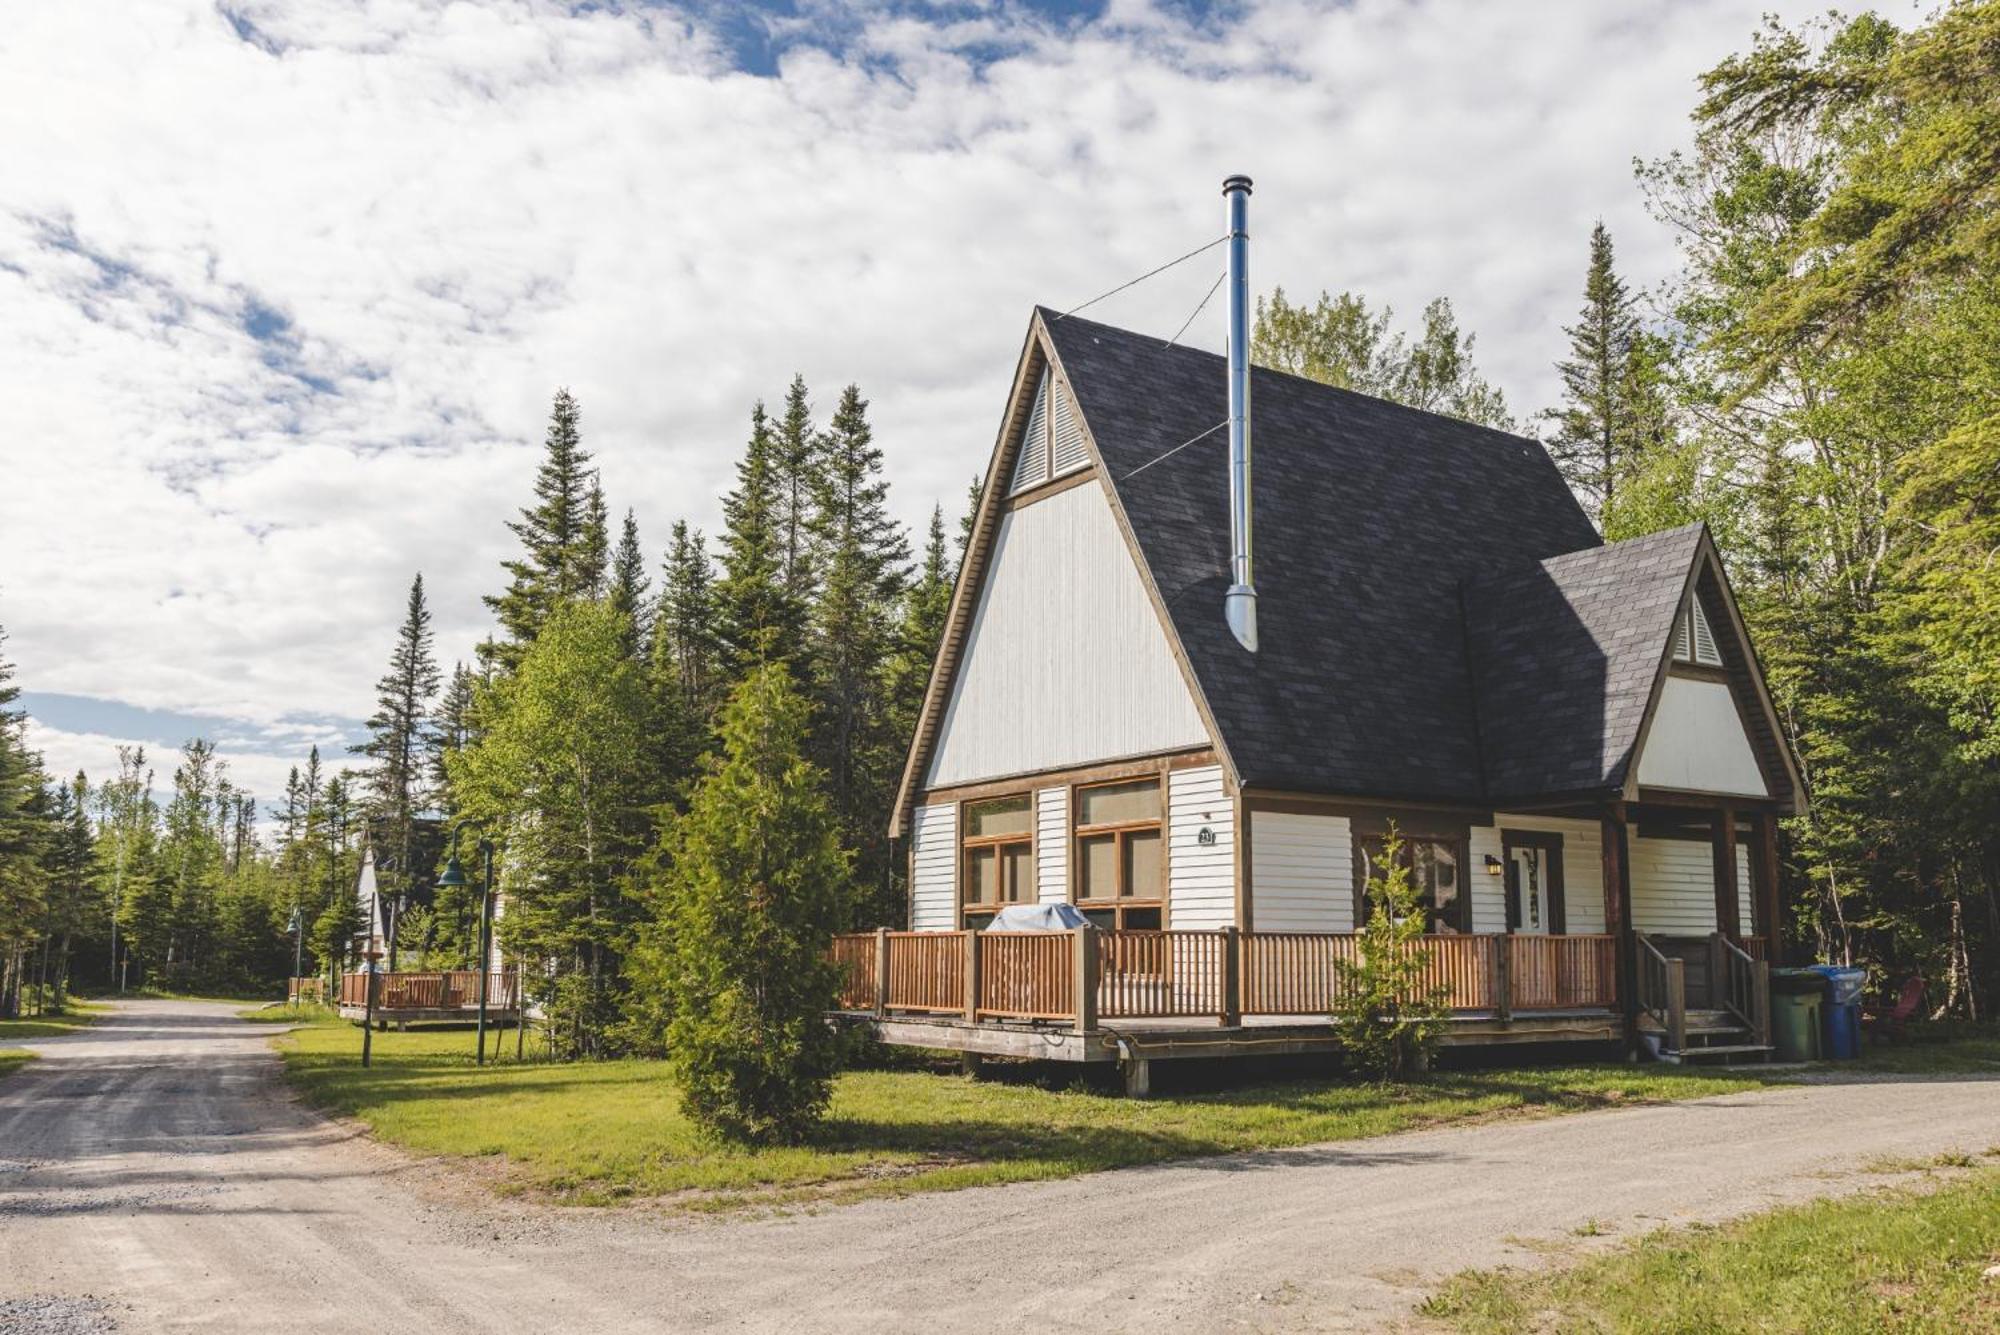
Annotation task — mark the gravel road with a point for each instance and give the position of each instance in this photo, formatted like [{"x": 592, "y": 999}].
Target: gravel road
[{"x": 154, "y": 1176}]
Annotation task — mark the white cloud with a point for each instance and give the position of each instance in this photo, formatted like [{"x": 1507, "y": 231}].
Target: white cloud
[{"x": 436, "y": 212}]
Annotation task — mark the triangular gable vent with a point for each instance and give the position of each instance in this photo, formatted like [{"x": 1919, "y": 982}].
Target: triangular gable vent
[
  {"x": 1052, "y": 442},
  {"x": 1694, "y": 641}
]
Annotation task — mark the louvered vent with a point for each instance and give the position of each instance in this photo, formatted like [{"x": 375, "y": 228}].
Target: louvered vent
[
  {"x": 1066, "y": 450},
  {"x": 1704, "y": 640},
  {"x": 1682, "y": 652},
  {"x": 1033, "y": 465}
]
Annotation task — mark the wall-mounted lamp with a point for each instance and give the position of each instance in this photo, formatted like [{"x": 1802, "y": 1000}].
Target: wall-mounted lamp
[{"x": 1493, "y": 865}]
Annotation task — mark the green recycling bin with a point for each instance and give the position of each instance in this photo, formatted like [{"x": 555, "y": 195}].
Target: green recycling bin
[{"x": 1797, "y": 998}]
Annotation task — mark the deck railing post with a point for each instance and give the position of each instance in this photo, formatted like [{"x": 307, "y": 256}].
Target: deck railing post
[
  {"x": 881, "y": 972},
  {"x": 1232, "y": 977},
  {"x": 971, "y": 977},
  {"x": 1760, "y": 983},
  {"x": 1083, "y": 977},
  {"x": 1677, "y": 1004},
  {"x": 1503, "y": 980}
]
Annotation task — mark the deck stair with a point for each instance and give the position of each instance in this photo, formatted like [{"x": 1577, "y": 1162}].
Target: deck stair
[
  {"x": 1709, "y": 1035},
  {"x": 1731, "y": 1017}
]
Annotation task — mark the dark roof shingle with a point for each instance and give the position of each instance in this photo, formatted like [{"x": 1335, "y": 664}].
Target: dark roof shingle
[{"x": 1369, "y": 518}]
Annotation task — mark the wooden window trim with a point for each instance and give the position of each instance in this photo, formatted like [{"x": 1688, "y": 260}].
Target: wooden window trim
[
  {"x": 968, "y": 843},
  {"x": 1551, "y": 842},
  {"x": 1120, "y": 830}
]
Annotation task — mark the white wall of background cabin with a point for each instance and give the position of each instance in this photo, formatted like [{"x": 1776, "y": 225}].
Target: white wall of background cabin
[
  {"x": 1697, "y": 743},
  {"x": 1052, "y": 844},
  {"x": 1066, "y": 662},
  {"x": 1201, "y": 878},
  {"x": 1673, "y": 887},
  {"x": 934, "y": 869},
  {"x": 1301, "y": 872},
  {"x": 1583, "y": 872}
]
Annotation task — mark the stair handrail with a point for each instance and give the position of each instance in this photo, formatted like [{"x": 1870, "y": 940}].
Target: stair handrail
[
  {"x": 1663, "y": 990},
  {"x": 1746, "y": 987}
]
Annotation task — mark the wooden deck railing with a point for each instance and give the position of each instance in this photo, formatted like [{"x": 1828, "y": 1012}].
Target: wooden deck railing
[
  {"x": 446, "y": 989},
  {"x": 1187, "y": 974}
]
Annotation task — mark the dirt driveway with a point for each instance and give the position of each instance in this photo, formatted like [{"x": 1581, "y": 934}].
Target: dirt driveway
[{"x": 154, "y": 1176}]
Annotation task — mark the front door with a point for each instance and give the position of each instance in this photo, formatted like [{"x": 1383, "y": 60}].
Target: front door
[{"x": 1534, "y": 881}]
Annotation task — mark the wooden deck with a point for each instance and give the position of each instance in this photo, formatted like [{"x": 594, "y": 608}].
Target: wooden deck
[
  {"x": 931, "y": 988},
  {"x": 446, "y": 994}
]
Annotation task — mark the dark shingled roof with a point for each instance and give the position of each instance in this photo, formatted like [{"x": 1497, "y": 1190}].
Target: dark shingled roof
[
  {"x": 1370, "y": 521},
  {"x": 1564, "y": 655}
]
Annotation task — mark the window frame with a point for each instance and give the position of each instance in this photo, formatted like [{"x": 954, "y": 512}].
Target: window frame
[
  {"x": 969, "y": 843},
  {"x": 1121, "y": 904},
  {"x": 1458, "y": 840}
]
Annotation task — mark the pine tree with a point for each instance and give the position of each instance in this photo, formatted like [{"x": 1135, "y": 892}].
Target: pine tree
[
  {"x": 753, "y": 888},
  {"x": 794, "y": 462},
  {"x": 629, "y": 585},
  {"x": 396, "y": 744},
  {"x": 685, "y": 648},
  {"x": 73, "y": 885},
  {"x": 127, "y": 824},
  {"x": 757, "y": 619},
  {"x": 920, "y": 628},
  {"x": 1595, "y": 442},
  {"x": 555, "y": 538},
  {"x": 864, "y": 560},
  {"x": 593, "y": 556},
  {"x": 973, "y": 495},
  {"x": 23, "y": 833}
]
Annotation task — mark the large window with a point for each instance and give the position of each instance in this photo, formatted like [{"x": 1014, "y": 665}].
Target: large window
[
  {"x": 999, "y": 857},
  {"x": 1437, "y": 868},
  {"x": 1120, "y": 876}
]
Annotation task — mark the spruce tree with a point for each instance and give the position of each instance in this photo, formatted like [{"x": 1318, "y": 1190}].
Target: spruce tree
[
  {"x": 555, "y": 539},
  {"x": 23, "y": 833},
  {"x": 682, "y": 669},
  {"x": 920, "y": 626},
  {"x": 1594, "y": 438},
  {"x": 396, "y": 781},
  {"x": 864, "y": 559},
  {"x": 795, "y": 461},
  {"x": 593, "y": 555},
  {"x": 973, "y": 495},
  {"x": 629, "y": 585},
  {"x": 757, "y": 618},
  {"x": 754, "y": 886}
]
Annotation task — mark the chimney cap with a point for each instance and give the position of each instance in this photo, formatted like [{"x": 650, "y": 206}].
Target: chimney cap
[{"x": 1236, "y": 182}]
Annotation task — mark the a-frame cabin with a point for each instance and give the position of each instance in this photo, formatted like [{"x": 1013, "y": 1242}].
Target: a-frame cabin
[{"x": 1574, "y": 738}]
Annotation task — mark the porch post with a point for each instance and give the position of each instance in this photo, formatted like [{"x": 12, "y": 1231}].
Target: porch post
[
  {"x": 1728, "y": 894},
  {"x": 1083, "y": 977},
  {"x": 1232, "y": 977},
  {"x": 1618, "y": 914},
  {"x": 881, "y": 972},
  {"x": 971, "y": 977},
  {"x": 1770, "y": 924}
]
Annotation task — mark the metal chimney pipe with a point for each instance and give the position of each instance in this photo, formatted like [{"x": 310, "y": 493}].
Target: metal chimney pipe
[{"x": 1239, "y": 605}]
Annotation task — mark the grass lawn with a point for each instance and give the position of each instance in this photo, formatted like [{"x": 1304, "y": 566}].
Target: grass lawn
[
  {"x": 78, "y": 1015},
  {"x": 12, "y": 1060},
  {"x": 1907, "y": 1259},
  {"x": 1945, "y": 1049},
  {"x": 307, "y": 1014},
  {"x": 590, "y": 1133}
]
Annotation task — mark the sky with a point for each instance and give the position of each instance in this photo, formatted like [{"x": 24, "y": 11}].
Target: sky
[{"x": 286, "y": 285}]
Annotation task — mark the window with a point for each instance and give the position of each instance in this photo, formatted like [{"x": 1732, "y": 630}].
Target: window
[
  {"x": 1120, "y": 877},
  {"x": 1437, "y": 868},
  {"x": 1052, "y": 441},
  {"x": 999, "y": 858},
  {"x": 1694, "y": 642}
]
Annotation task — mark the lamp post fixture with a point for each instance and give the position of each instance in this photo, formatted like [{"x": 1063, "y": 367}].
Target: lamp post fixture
[
  {"x": 454, "y": 878},
  {"x": 368, "y": 958},
  {"x": 298, "y": 929}
]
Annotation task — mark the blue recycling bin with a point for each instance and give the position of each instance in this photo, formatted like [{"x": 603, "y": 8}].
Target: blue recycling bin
[{"x": 1841, "y": 1013}]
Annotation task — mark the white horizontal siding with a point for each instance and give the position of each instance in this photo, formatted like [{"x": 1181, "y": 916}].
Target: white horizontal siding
[
  {"x": 1052, "y": 845},
  {"x": 1489, "y": 893},
  {"x": 1583, "y": 872},
  {"x": 1745, "y": 892},
  {"x": 1301, "y": 872},
  {"x": 1201, "y": 878},
  {"x": 1673, "y": 887},
  {"x": 933, "y": 869},
  {"x": 1066, "y": 662}
]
